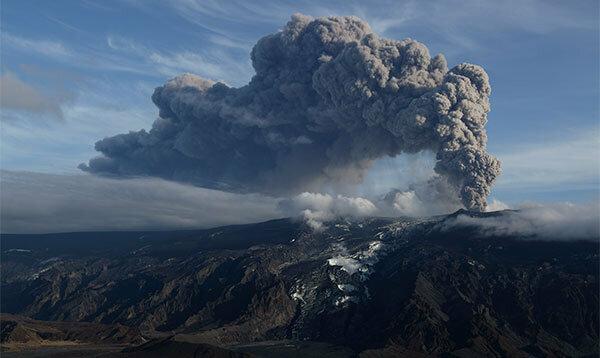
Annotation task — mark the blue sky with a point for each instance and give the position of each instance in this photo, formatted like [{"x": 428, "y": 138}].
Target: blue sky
[{"x": 84, "y": 70}]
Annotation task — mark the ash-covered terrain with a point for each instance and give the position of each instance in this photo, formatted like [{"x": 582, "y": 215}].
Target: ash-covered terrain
[{"x": 368, "y": 287}]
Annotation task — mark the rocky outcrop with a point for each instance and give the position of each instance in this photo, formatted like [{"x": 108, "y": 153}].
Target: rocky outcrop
[{"x": 18, "y": 331}]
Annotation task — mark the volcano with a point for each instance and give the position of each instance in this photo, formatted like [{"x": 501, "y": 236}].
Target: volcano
[{"x": 368, "y": 287}]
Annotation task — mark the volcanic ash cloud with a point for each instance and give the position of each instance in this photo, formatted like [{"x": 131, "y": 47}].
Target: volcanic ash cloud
[{"x": 329, "y": 97}]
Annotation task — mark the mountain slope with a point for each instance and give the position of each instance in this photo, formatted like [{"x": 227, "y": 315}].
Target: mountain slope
[{"x": 377, "y": 286}]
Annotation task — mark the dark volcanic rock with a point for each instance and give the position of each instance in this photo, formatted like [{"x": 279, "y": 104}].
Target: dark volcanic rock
[
  {"x": 169, "y": 347},
  {"x": 17, "y": 330},
  {"x": 383, "y": 287}
]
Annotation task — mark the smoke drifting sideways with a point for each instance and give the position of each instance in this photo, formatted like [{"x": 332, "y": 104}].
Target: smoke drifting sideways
[
  {"x": 328, "y": 98},
  {"x": 549, "y": 222}
]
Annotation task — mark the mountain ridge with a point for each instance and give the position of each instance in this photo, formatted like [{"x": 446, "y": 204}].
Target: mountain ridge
[{"x": 373, "y": 285}]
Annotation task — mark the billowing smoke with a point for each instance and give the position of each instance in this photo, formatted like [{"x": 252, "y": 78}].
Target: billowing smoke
[{"x": 328, "y": 98}]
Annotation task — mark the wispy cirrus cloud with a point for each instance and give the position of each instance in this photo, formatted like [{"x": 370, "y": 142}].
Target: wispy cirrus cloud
[
  {"x": 83, "y": 57},
  {"x": 214, "y": 63},
  {"x": 48, "y": 48},
  {"x": 126, "y": 55},
  {"x": 446, "y": 19},
  {"x": 570, "y": 161}
]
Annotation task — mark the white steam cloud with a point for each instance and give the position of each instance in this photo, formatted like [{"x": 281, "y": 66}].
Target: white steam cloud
[
  {"x": 316, "y": 208},
  {"x": 42, "y": 203},
  {"x": 564, "y": 221},
  {"x": 329, "y": 97}
]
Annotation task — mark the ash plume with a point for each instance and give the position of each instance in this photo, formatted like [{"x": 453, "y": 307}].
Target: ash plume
[{"x": 328, "y": 98}]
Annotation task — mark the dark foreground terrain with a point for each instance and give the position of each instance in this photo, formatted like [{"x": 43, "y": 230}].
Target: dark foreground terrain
[{"x": 370, "y": 288}]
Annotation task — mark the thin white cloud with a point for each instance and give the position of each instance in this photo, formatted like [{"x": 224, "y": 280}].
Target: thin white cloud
[
  {"x": 447, "y": 19},
  {"x": 558, "y": 221},
  {"x": 47, "y": 48},
  {"x": 572, "y": 161},
  {"x": 66, "y": 25},
  {"x": 223, "y": 70},
  {"x": 214, "y": 63},
  {"x": 241, "y": 12},
  {"x": 81, "y": 57},
  {"x": 230, "y": 43}
]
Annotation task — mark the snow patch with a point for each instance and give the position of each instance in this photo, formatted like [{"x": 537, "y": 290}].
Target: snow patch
[
  {"x": 298, "y": 293},
  {"x": 17, "y": 250},
  {"x": 345, "y": 299},
  {"x": 348, "y": 264},
  {"x": 360, "y": 261},
  {"x": 346, "y": 287}
]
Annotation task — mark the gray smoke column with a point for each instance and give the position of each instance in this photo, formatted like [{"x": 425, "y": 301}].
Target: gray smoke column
[{"x": 329, "y": 97}]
